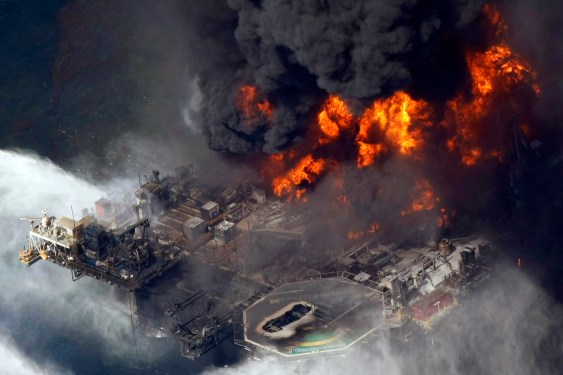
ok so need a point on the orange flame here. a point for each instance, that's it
(305, 172)
(367, 153)
(300, 195)
(498, 67)
(425, 199)
(356, 235)
(401, 123)
(397, 120)
(334, 116)
(373, 228)
(444, 220)
(253, 107)
(353, 235)
(494, 72)
(394, 117)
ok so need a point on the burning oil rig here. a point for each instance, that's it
(208, 263)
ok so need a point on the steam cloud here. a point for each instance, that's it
(43, 295)
(17, 363)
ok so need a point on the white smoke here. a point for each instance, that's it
(45, 291)
(192, 106)
(511, 326)
(14, 362)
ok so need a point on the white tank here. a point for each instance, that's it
(45, 221)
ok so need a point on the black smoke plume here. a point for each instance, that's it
(297, 52)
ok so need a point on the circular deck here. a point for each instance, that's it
(313, 317)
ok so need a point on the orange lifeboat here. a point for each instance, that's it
(28, 256)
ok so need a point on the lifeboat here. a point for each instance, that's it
(28, 256)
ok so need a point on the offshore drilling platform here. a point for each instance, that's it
(207, 263)
(204, 263)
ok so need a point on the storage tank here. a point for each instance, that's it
(445, 247)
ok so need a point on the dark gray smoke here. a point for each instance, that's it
(297, 52)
